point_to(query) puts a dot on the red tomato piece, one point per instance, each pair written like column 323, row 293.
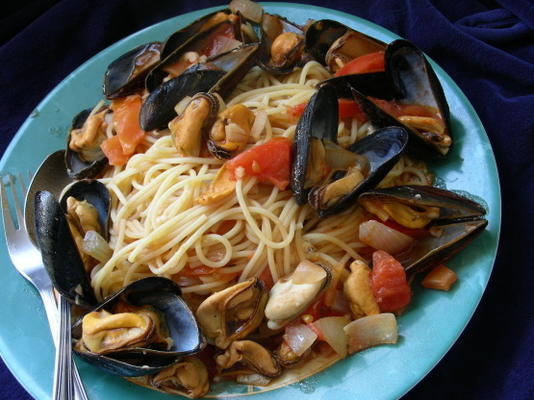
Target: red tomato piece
column 267, row 278
column 269, row 162
column 112, row 149
column 372, row 62
column 126, row 122
column 389, row 284
column 350, row 109
column 298, row 110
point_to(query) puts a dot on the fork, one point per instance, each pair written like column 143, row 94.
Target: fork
column 27, row 260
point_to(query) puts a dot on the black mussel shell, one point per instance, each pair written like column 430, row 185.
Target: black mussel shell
column 452, row 206
column 123, row 76
column 179, row 37
column 293, row 58
column 382, row 149
column 322, row 34
column 158, row 108
column 219, row 74
column 431, row 251
column 320, row 120
column 59, row 253
column 374, row 84
column 195, row 43
column 163, row 295
column 95, row 193
column 76, row 167
column 417, row 147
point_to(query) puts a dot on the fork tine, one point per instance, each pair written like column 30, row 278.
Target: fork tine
column 6, row 214
column 16, row 201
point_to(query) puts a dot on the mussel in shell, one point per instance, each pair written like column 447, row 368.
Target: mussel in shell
column 125, row 75
column 452, row 220
column 328, row 176
column 219, row 74
column 84, row 157
column 282, row 44
column 232, row 313
column 334, row 44
column 164, row 330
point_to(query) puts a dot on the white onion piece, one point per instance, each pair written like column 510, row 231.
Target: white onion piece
column 371, row 331
column 382, row 237
column 259, row 125
column 247, row 8
column 253, row 379
column 96, row 246
column 333, row 332
column 181, row 105
column 299, row 337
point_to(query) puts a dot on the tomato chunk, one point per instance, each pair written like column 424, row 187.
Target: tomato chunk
column 112, row 149
column 126, row 122
column 269, row 162
column 298, row 110
column 350, row 109
column 372, row 62
column 440, row 278
column 389, row 284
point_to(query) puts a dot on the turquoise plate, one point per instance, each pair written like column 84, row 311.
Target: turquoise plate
column 428, row 329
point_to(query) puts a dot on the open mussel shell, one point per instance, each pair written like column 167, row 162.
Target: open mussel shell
column 288, row 40
column 373, row 84
column 125, row 75
column 416, row 83
column 77, row 167
column 219, row 74
column 319, row 120
column 59, row 253
column 324, row 36
column 178, row 38
column 452, row 206
column 197, row 44
column 382, row 150
column 417, row 147
column 459, row 221
column 96, row 194
column 164, row 296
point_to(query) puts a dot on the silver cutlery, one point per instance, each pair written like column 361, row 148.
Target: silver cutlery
column 27, row 260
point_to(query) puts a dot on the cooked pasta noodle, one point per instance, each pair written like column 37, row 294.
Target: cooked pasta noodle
column 159, row 228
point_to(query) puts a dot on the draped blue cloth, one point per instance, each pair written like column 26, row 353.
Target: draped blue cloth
column 488, row 49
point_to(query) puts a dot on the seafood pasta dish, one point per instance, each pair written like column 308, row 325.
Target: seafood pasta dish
column 252, row 202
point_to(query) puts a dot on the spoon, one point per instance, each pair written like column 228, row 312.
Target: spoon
column 52, row 176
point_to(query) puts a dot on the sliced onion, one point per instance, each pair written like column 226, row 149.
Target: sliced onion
column 259, row 125
column 96, row 246
column 299, row 337
column 248, row 9
column 181, row 105
column 371, row 331
column 333, row 332
column 225, row 44
column 382, row 237
column 253, row 379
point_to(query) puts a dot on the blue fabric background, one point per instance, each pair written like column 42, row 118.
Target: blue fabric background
column 488, row 49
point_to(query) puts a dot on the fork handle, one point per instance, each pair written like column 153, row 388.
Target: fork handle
column 63, row 389
column 50, row 306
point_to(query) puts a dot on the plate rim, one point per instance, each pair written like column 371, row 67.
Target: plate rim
column 11, row 364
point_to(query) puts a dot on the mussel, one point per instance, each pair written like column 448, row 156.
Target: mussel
column 282, row 44
column 123, row 351
column 232, row 313
column 328, row 176
column 125, row 75
column 207, row 43
column 452, row 220
column 416, row 102
column 84, row 157
column 292, row 294
column 334, row 44
column 219, row 74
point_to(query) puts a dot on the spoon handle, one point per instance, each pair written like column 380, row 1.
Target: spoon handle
column 63, row 387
